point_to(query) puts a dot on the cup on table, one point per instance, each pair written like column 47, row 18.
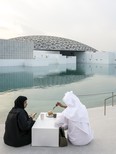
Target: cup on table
column 54, row 115
column 42, row 116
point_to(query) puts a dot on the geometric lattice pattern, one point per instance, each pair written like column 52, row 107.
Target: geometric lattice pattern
column 51, row 43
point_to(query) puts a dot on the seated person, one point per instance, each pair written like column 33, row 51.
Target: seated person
column 75, row 119
column 18, row 124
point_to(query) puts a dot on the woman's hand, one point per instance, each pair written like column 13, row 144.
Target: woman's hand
column 33, row 115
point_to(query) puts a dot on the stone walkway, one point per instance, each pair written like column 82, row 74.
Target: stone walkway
column 104, row 142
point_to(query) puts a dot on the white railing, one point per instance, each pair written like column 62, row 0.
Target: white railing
column 111, row 97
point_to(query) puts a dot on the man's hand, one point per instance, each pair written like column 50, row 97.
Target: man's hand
column 61, row 105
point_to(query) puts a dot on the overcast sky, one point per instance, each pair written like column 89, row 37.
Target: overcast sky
column 92, row 22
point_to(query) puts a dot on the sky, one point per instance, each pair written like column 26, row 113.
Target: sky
column 92, row 22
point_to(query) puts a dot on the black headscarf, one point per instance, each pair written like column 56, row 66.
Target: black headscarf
column 19, row 102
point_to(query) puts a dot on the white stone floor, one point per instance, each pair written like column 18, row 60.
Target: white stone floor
column 104, row 142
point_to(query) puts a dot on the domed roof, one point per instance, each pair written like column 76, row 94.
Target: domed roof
column 53, row 43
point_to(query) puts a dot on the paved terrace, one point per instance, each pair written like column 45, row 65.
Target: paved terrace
column 104, row 137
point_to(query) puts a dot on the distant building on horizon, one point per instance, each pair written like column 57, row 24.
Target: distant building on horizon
column 45, row 50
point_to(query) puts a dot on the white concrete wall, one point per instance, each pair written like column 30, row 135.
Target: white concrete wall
column 43, row 59
column 22, row 62
column 40, row 58
column 81, row 57
column 99, row 57
column 12, row 62
column 35, row 62
column 112, row 58
column 45, row 54
column 71, row 59
column 53, row 57
column 13, row 49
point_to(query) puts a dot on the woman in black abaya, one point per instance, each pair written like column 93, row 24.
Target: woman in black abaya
column 18, row 124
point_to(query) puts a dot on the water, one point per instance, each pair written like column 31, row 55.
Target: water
column 46, row 85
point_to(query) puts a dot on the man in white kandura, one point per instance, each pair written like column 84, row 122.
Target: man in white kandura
column 75, row 119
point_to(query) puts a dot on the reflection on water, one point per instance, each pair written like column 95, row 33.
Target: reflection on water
column 12, row 78
column 44, row 86
column 101, row 69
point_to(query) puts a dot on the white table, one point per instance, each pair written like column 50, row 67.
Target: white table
column 44, row 132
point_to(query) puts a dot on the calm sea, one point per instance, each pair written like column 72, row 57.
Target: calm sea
column 45, row 85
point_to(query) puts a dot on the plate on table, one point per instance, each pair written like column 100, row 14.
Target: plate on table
column 49, row 116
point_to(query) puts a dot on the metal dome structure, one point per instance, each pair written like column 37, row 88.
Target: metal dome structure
column 52, row 43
